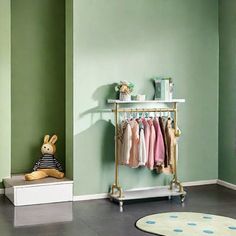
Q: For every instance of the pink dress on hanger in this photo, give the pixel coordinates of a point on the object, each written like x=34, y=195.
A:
x=134, y=151
x=159, y=155
x=152, y=140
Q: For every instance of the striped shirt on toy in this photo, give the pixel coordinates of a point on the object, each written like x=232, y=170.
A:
x=47, y=161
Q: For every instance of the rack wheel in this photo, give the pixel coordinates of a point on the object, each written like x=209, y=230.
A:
x=121, y=206
x=111, y=199
x=182, y=198
x=169, y=197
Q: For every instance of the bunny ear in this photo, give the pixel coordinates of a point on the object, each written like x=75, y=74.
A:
x=46, y=138
x=53, y=139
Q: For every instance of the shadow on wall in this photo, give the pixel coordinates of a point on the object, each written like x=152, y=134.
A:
x=97, y=141
x=101, y=95
x=101, y=132
x=94, y=148
x=35, y=154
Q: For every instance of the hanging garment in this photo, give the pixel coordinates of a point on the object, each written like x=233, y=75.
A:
x=119, y=142
x=162, y=123
x=142, y=146
x=171, y=142
x=152, y=140
x=134, y=151
x=159, y=150
x=146, y=136
x=124, y=142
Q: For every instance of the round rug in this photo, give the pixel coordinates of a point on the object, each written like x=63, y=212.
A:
x=187, y=224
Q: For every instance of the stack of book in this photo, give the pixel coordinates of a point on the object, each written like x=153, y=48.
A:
x=163, y=88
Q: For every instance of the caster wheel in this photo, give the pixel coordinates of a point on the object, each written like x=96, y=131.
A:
x=182, y=198
x=169, y=197
x=121, y=206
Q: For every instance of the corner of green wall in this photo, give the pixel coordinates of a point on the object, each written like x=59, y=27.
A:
x=5, y=88
x=69, y=88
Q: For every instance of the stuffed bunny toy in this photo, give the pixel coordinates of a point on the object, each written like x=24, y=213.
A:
x=47, y=165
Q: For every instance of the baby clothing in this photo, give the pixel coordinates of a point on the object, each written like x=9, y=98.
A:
x=146, y=136
x=124, y=142
x=152, y=140
x=142, y=147
x=159, y=154
x=134, y=151
x=147, y=142
x=171, y=142
x=162, y=126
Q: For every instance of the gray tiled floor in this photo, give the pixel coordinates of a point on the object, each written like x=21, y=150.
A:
x=102, y=218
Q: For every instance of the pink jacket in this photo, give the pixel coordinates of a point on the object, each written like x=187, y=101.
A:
x=152, y=141
x=159, y=155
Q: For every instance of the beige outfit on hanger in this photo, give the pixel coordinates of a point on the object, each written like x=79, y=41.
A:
x=171, y=142
x=134, y=152
x=124, y=142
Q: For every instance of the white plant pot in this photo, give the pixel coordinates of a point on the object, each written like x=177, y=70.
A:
x=125, y=97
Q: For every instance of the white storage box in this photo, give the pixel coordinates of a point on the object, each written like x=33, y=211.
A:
x=48, y=190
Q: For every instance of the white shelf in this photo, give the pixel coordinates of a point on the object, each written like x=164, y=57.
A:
x=147, y=193
x=146, y=101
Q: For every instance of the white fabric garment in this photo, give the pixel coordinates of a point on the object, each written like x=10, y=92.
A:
x=142, y=146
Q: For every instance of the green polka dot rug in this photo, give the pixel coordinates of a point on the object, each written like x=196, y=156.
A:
x=187, y=224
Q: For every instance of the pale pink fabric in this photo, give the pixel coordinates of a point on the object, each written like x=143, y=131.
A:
x=152, y=141
x=146, y=136
x=134, y=157
x=159, y=149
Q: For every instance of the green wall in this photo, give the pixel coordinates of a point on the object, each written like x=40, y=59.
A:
x=227, y=100
x=38, y=79
x=5, y=89
x=135, y=40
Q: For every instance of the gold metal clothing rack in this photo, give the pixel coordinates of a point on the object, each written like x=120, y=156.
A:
x=176, y=188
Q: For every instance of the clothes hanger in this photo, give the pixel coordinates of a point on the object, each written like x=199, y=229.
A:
x=125, y=116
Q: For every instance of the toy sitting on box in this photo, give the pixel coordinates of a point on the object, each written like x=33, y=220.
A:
x=47, y=165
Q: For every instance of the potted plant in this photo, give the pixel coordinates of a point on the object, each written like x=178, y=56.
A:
x=125, y=89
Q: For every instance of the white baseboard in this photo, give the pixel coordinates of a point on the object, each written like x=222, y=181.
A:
x=200, y=182
x=185, y=184
x=90, y=197
x=105, y=195
x=226, y=184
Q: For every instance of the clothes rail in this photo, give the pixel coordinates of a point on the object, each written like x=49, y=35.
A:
x=176, y=188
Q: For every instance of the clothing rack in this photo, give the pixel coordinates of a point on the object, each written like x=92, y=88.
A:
x=175, y=188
